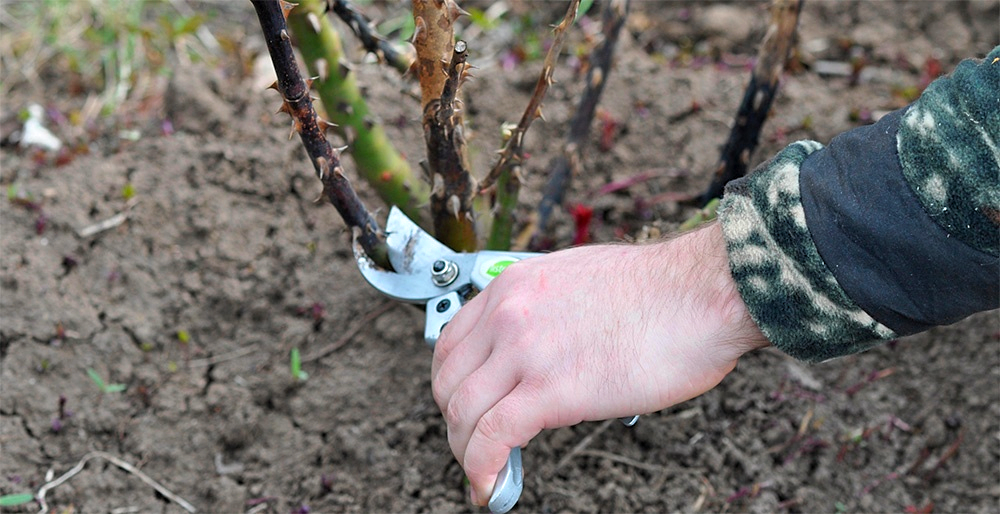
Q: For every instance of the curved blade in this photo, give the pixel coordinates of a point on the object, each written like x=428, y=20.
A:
x=412, y=252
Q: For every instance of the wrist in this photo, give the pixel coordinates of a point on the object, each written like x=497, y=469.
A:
x=701, y=264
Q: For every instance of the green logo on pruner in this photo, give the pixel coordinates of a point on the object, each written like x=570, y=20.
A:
x=497, y=267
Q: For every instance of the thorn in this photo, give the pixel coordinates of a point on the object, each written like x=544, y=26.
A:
x=596, y=78
x=455, y=206
x=285, y=108
x=437, y=189
x=324, y=125
x=454, y=11
x=341, y=149
x=338, y=171
x=314, y=22
x=538, y=113
x=343, y=68
x=286, y=7
x=323, y=67
x=323, y=165
x=274, y=85
x=419, y=29
x=284, y=35
x=309, y=82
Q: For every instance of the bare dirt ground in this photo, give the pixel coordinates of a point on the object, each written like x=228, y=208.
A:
x=226, y=263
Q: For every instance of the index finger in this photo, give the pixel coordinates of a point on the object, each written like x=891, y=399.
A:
x=457, y=330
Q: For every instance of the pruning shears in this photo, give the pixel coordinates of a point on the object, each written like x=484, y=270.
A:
x=429, y=273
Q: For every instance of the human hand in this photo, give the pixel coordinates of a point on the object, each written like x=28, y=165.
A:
x=586, y=334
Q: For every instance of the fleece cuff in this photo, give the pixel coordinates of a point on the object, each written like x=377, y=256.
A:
x=788, y=289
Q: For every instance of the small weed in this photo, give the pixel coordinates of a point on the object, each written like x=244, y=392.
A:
x=128, y=191
x=103, y=386
x=12, y=500
x=296, y=366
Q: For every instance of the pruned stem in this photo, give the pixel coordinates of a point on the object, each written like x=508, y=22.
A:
x=434, y=41
x=506, y=173
x=563, y=167
x=298, y=103
x=371, y=40
x=757, y=99
x=452, y=183
x=376, y=159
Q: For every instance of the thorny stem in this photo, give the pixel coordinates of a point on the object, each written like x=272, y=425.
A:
x=298, y=103
x=514, y=148
x=563, y=167
x=757, y=99
x=372, y=41
x=434, y=40
x=374, y=156
x=507, y=171
x=452, y=183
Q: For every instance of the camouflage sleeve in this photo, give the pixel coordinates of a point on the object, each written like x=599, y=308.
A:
x=890, y=230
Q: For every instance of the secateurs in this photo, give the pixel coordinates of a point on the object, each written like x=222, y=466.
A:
x=428, y=272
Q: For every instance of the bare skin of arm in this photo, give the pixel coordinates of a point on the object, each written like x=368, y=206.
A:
x=587, y=334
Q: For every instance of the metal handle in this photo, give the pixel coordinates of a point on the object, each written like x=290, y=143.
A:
x=509, y=484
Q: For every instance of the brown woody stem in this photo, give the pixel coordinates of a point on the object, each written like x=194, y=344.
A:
x=452, y=184
x=298, y=104
x=757, y=99
x=563, y=167
x=506, y=173
x=514, y=148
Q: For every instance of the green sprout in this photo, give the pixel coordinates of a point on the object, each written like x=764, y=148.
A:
x=128, y=191
x=11, y=500
x=103, y=386
x=296, y=366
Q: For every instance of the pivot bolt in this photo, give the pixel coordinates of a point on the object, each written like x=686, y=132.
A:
x=443, y=272
x=443, y=305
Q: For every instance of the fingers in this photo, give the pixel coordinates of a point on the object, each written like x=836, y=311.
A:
x=509, y=423
x=475, y=395
x=457, y=330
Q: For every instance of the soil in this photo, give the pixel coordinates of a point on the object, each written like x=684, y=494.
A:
x=226, y=263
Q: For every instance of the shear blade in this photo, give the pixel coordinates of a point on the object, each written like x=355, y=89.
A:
x=412, y=253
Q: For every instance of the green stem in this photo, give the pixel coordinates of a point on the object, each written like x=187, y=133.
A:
x=376, y=159
x=507, y=187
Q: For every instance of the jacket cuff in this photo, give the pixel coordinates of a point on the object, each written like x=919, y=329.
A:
x=790, y=293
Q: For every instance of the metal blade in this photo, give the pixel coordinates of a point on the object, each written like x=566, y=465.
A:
x=412, y=253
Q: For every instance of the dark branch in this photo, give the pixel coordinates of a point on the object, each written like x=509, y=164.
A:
x=298, y=104
x=371, y=40
x=757, y=99
x=563, y=167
